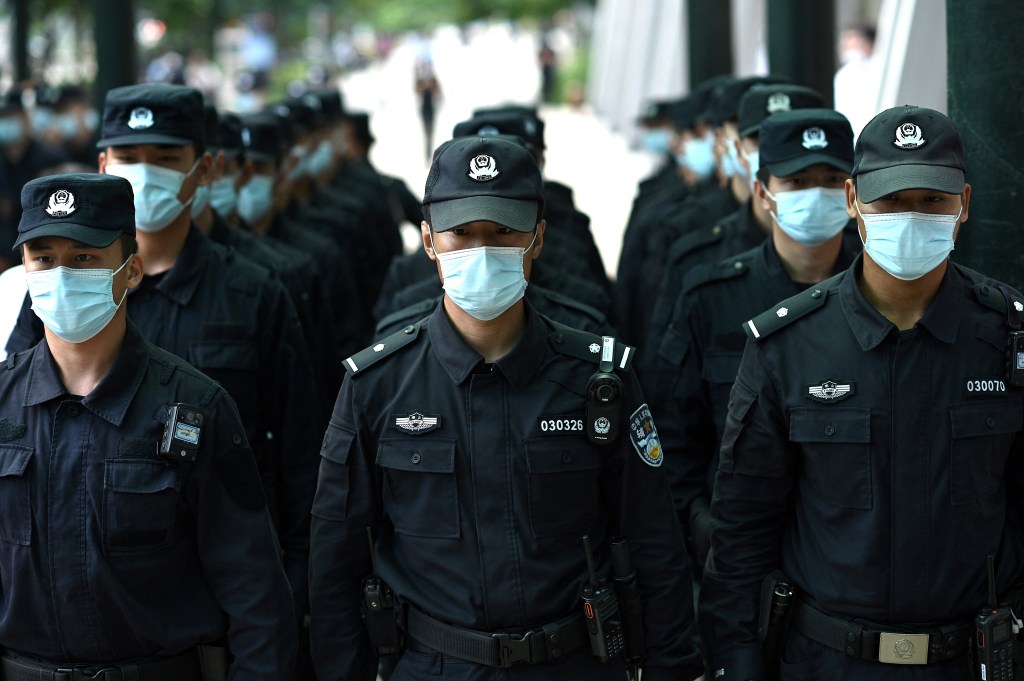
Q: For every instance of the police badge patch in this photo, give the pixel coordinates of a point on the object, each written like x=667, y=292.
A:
x=140, y=118
x=830, y=391
x=62, y=204
x=417, y=423
x=644, y=436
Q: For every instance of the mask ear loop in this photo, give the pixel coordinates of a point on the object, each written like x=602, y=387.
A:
x=114, y=273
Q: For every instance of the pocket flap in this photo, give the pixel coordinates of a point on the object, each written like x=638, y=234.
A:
x=564, y=456
x=224, y=355
x=830, y=425
x=140, y=476
x=14, y=459
x=417, y=455
x=985, y=418
x=336, y=444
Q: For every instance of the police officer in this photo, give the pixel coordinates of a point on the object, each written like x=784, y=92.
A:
x=872, y=449
x=800, y=186
x=218, y=311
x=124, y=557
x=462, y=442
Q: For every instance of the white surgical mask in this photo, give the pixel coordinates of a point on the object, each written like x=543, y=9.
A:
x=256, y=198
x=484, y=281
x=810, y=216
x=75, y=304
x=156, y=192
x=223, y=196
x=908, y=245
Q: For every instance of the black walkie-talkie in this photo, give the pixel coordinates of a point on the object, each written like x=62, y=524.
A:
x=994, y=635
x=601, y=609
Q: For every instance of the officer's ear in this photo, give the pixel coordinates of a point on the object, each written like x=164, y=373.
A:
x=101, y=162
x=761, y=195
x=966, y=199
x=136, y=268
x=428, y=243
x=851, y=198
x=538, y=242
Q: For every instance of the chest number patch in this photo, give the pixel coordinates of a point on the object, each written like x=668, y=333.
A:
x=560, y=424
x=644, y=436
x=985, y=386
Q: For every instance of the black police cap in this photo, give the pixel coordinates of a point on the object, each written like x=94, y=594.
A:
x=761, y=101
x=794, y=140
x=655, y=112
x=230, y=133
x=726, y=105
x=908, y=147
x=489, y=125
x=360, y=124
x=211, y=126
x=91, y=208
x=483, y=178
x=10, y=102
x=153, y=113
x=330, y=103
x=262, y=136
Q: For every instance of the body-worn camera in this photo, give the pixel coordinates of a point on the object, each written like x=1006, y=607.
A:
x=1015, y=359
x=182, y=429
x=604, y=399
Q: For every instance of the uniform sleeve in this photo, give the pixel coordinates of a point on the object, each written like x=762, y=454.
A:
x=749, y=509
x=293, y=415
x=640, y=495
x=345, y=505
x=239, y=553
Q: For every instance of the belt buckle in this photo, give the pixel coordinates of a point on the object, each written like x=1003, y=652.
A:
x=900, y=648
x=513, y=648
x=83, y=674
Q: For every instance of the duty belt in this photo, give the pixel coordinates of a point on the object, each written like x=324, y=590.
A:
x=869, y=642
x=178, y=668
x=500, y=649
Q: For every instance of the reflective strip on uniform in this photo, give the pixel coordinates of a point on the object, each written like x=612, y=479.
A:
x=625, y=355
x=352, y=364
x=753, y=328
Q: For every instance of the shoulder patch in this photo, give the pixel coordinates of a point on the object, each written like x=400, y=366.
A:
x=1003, y=300
x=785, y=313
x=587, y=346
x=381, y=349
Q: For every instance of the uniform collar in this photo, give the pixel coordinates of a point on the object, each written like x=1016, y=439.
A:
x=459, y=360
x=941, y=319
x=111, y=398
x=182, y=281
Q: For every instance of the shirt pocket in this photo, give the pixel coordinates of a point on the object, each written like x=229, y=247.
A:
x=420, y=492
x=15, y=495
x=981, y=436
x=564, y=490
x=331, y=500
x=140, y=499
x=836, y=447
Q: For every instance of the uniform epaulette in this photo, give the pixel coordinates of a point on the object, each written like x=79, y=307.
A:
x=1003, y=299
x=786, y=312
x=381, y=349
x=587, y=346
x=705, y=273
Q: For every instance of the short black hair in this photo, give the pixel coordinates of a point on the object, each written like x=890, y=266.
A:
x=129, y=245
x=763, y=175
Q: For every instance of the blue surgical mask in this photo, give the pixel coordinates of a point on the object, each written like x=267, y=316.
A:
x=753, y=160
x=731, y=165
x=320, y=160
x=810, y=216
x=11, y=130
x=256, y=198
x=223, y=196
x=75, y=304
x=908, y=245
x=42, y=120
x=156, y=193
x=699, y=156
x=484, y=281
x=657, y=141
x=67, y=124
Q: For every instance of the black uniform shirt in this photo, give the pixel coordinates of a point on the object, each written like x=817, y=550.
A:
x=110, y=553
x=479, y=508
x=700, y=353
x=876, y=467
x=239, y=327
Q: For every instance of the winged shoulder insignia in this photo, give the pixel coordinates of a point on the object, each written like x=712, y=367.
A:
x=416, y=422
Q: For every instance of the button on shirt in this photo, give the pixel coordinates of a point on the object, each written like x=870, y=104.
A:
x=479, y=515
x=110, y=553
x=875, y=467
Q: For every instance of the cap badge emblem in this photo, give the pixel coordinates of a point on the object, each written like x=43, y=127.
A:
x=814, y=138
x=909, y=136
x=140, y=118
x=62, y=203
x=488, y=131
x=483, y=168
x=530, y=127
x=779, y=102
x=246, y=137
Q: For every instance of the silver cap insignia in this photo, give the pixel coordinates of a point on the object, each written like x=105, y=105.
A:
x=62, y=203
x=782, y=311
x=140, y=118
x=483, y=168
x=379, y=347
x=909, y=136
x=814, y=138
x=779, y=102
